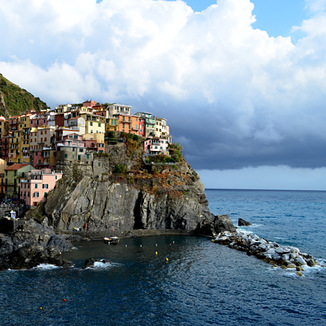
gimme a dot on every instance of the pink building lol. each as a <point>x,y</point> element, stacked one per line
<point>38,119</point>
<point>89,104</point>
<point>42,139</point>
<point>36,187</point>
<point>142,124</point>
<point>71,140</point>
<point>155,146</point>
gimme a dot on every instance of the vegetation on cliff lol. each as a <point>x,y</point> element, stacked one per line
<point>15,100</point>
<point>120,192</point>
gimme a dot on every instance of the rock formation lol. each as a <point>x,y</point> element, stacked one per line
<point>29,245</point>
<point>242,222</point>
<point>164,197</point>
<point>271,252</point>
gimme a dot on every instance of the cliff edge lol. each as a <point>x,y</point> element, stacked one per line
<point>122,193</point>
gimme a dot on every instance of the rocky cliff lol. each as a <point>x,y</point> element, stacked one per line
<point>119,194</point>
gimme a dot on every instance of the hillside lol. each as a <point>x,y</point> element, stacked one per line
<point>15,100</point>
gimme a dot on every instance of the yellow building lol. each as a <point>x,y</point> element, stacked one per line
<point>3,166</point>
<point>14,148</point>
<point>112,124</point>
<point>94,124</point>
<point>24,126</point>
<point>12,177</point>
<point>19,139</point>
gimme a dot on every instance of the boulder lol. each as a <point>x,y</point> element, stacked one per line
<point>242,222</point>
<point>223,223</point>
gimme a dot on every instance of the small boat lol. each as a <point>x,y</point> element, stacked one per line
<point>112,240</point>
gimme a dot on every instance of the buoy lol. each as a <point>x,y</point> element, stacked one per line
<point>155,252</point>
<point>140,246</point>
<point>167,259</point>
<point>41,308</point>
<point>64,300</point>
<point>156,245</point>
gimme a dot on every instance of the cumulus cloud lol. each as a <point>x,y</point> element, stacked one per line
<point>233,95</point>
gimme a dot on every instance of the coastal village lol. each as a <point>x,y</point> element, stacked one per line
<point>32,144</point>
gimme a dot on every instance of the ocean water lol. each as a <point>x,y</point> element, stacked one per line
<point>181,280</point>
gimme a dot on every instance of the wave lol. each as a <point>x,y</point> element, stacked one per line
<point>101,264</point>
<point>46,267</point>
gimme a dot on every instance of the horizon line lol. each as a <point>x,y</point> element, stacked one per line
<point>258,189</point>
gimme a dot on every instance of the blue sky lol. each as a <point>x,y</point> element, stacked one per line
<point>276,17</point>
<point>242,83</point>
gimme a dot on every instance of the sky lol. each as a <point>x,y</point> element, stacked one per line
<point>241,82</point>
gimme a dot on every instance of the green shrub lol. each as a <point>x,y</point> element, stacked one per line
<point>120,168</point>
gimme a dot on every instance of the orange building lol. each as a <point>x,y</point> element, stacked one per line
<point>128,123</point>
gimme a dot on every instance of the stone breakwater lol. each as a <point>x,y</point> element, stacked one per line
<point>271,252</point>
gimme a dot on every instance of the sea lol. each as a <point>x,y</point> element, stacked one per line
<point>184,280</point>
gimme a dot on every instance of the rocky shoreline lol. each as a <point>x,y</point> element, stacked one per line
<point>286,257</point>
<point>26,243</point>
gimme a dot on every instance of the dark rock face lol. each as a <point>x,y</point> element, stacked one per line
<point>170,199</point>
<point>30,245</point>
<point>242,222</point>
<point>223,223</point>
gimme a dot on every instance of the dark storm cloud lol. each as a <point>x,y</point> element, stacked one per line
<point>233,96</point>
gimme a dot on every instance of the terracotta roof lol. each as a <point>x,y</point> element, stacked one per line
<point>15,166</point>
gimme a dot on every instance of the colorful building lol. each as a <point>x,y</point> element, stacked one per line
<point>116,108</point>
<point>94,123</point>
<point>42,143</point>
<point>13,175</point>
<point>155,146</point>
<point>3,166</point>
<point>35,188</point>
<point>4,129</point>
<point>128,123</point>
<point>149,123</point>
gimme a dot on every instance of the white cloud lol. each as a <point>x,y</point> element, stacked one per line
<point>316,5</point>
<point>228,89</point>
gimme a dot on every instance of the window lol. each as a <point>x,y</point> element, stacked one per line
<point>36,185</point>
<point>45,186</point>
<point>36,194</point>
<point>66,155</point>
